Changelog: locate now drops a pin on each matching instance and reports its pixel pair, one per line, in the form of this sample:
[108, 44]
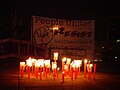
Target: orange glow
[29, 58]
[37, 64]
[73, 64]
[64, 59]
[29, 62]
[41, 62]
[68, 60]
[91, 65]
[54, 65]
[22, 64]
[33, 60]
[85, 61]
[47, 63]
[55, 28]
[56, 56]
[58, 68]
[65, 66]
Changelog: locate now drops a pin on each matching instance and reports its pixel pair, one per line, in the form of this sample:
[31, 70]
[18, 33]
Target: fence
[19, 48]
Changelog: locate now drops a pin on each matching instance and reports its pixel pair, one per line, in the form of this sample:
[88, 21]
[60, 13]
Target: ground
[11, 80]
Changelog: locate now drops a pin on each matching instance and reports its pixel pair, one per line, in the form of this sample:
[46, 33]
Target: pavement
[11, 80]
[102, 81]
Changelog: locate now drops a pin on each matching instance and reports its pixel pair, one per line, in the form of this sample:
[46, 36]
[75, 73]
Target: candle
[54, 71]
[54, 66]
[22, 64]
[33, 65]
[75, 72]
[58, 71]
[47, 67]
[36, 71]
[28, 71]
[68, 63]
[62, 76]
[37, 64]
[85, 61]
[40, 72]
[63, 60]
[46, 72]
[71, 73]
[29, 63]
[94, 71]
[55, 56]
[91, 65]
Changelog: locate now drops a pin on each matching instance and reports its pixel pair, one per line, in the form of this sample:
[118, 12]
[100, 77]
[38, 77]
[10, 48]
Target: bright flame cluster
[76, 63]
[36, 62]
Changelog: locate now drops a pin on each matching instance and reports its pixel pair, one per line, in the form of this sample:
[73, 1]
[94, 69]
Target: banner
[64, 34]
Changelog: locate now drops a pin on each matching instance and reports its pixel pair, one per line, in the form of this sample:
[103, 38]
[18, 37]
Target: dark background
[15, 20]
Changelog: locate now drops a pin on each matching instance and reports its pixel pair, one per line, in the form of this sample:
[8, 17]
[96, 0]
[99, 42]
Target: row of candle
[37, 65]
[67, 68]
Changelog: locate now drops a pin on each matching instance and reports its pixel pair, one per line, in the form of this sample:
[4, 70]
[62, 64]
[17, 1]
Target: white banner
[59, 33]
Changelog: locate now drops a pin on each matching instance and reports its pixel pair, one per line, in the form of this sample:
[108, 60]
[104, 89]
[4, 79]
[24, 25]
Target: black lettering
[89, 34]
[74, 33]
[83, 34]
[42, 21]
[90, 23]
[61, 30]
[68, 22]
[47, 21]
[37, 19]
[52, 22]
[78, 34]
[60, 23]
[57, 23]
[56, 32]
[74, 23]
[67, 33]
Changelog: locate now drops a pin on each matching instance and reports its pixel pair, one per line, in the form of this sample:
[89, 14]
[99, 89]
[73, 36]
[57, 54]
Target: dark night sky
[60, 8]
[67, 8]
[97, 10]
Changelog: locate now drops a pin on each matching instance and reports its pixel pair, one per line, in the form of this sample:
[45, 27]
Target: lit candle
[91, 65]
[75, 72]
[22, 64]
[68, 60]
[28, 71]
[94, 71]
[54, 66]
[55, 56]
[40, 72]
[68, 63]
[65, 69]
[41, 63]
[85, 62]
[77, 65]
[88, 69]
[71, 73]
[33, 65]
[54, 73]
[63, 76]
[58, 71]
[46, 72]
[47, 66]
[63, 60]
[29, 63]
[36, 68]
